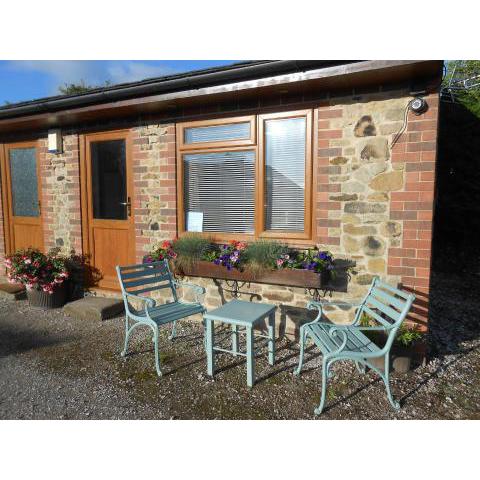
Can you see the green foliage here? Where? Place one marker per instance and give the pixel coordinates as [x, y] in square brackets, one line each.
[365, 320]
[262, 255]
[190, 249]
[81, 87]
[460, 74]
[407, 336]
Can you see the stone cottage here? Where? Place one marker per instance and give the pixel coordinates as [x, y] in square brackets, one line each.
[339, 154]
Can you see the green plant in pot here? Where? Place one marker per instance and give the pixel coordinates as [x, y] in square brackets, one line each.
[190, 249]
[404, 352]
[265, 255]
[43, 275]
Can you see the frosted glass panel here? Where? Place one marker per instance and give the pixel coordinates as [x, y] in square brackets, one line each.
[23, 172]
[109, 180]
[285, 141]
[218, 133]
[221, 186]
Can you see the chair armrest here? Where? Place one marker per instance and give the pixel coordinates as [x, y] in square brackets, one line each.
[197, 289]
[150, 302]
[315, 305]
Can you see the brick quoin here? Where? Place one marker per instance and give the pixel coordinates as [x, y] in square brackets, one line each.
[412, 261]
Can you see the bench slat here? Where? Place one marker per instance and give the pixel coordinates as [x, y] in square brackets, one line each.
[388, 299]
[356, 340]
[391, 289]
[146, 281]
[393, 314]
[148, 289]
[376, 316]
[144, 273]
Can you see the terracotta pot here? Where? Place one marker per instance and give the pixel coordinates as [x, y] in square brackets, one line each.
[40, 299]
[290, 278]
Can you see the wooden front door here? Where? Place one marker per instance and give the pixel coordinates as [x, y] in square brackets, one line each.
[109, 236]
[21, 196]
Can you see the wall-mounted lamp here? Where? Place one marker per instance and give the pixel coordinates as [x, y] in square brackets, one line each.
[55, 141]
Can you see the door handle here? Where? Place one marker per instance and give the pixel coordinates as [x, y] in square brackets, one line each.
[128, 204]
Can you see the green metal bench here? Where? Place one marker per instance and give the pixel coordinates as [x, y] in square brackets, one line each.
[135, 281]
[386, 306]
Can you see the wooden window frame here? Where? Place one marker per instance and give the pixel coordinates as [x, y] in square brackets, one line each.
[260, 183]
[221, 143]
[257, 144]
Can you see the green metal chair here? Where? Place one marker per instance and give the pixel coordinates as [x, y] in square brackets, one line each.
[136, 280]
[386, 305]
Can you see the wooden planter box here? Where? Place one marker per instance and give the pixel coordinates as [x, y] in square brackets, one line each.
[289, 278]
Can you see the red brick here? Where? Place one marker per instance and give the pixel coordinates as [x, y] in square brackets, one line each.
[421, 147]
[330, 134]
[337, 113]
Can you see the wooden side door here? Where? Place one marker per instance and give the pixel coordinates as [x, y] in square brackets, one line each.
[21, 192]
[109, 235]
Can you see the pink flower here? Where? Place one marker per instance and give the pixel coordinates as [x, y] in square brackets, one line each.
[28, 261]
[279, 262]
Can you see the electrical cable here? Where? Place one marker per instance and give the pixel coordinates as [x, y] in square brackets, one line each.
[404, 126]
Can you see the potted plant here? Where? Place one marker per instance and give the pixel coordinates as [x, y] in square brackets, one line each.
[404, 348]
[43, 275]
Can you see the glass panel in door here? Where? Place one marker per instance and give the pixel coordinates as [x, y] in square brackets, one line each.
[24, 182]
[109, 180]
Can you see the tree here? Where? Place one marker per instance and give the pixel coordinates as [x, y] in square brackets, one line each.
[462, 81]
[81, 87]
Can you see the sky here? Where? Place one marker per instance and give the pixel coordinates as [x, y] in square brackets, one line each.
[22, 80]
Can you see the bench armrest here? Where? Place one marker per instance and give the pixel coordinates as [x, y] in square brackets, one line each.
[315, 305]
[147, 301]
[197, 289]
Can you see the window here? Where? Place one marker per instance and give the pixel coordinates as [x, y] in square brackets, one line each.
[232, 185]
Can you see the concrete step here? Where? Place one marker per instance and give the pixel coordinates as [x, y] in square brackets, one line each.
[94, 308]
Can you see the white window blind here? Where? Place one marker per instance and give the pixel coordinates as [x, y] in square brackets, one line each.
[217, 133]
[285, 141]
[222, 186]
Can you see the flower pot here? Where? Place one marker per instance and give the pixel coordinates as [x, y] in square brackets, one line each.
[40, 299]
[291, 278]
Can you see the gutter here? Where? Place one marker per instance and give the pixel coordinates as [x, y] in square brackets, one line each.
[177, 83]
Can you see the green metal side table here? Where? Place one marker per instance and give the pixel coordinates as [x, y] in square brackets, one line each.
[238, 313]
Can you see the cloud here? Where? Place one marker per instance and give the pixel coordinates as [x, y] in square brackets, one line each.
[131, 71]
[93, 72]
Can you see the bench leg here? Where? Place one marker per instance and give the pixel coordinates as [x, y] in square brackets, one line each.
[325, 368]
[127, 334]
[386, 380]
[174, 331]
[303, 335]
[157, 358]
[250, 358]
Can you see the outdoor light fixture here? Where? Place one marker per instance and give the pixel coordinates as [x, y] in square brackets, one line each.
[55, 141]
[418, 105]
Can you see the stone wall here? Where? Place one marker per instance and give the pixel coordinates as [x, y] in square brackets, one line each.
[155, 200]
[60, 181]
[375, 202]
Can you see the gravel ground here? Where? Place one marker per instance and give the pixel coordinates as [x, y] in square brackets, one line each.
[55, 367]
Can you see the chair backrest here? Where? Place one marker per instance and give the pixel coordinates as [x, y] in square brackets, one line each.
[146, 277]
[387, 305]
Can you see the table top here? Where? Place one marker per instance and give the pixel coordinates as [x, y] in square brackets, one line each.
[239, 312]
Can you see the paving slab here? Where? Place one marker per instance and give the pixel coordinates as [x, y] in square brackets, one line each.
[94, 308]
[12, 291]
